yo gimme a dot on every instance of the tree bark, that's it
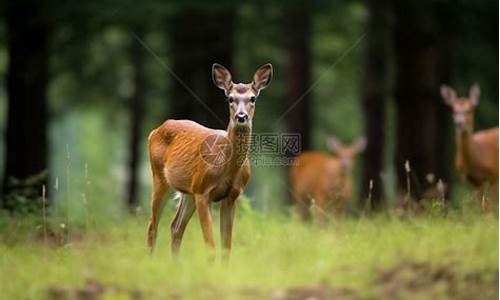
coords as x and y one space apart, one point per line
447 16
297 22
137 104
298 71
374 95
27 80
416 94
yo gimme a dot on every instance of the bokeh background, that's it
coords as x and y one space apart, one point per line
83 83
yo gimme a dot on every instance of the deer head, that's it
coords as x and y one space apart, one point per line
346 153
241 97
463 108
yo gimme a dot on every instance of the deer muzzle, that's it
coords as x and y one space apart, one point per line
241 118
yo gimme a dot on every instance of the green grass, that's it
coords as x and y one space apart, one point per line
378 257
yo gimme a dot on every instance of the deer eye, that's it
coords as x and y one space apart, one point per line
252 99
230 99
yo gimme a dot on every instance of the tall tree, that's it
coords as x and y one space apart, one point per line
297 31
446 14
417 94
28 35
298 70
136 106
201 37
374 94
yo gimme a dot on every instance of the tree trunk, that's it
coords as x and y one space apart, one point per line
200 39
27 79
446 14
183 45
136 118
416 94
217 44
298 71
297 21
374 95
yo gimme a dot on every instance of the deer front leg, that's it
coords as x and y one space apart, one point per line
227 212
203 207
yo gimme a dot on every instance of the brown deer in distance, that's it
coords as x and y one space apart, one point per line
476 157
205 165
324 179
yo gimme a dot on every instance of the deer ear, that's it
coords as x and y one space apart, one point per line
474 94
360 144
221 77
333 144
262 77
448 94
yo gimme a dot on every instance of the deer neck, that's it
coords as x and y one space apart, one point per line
239 138
346 173
464 150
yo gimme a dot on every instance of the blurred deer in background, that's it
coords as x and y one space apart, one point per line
205 165
324 180
476 157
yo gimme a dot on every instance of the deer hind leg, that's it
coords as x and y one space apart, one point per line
489 197
184 213
158 201
494 196
320 210
339 207
303 208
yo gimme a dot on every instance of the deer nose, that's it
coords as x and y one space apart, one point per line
241 117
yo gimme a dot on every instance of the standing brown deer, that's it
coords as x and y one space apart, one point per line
205 165
324 178
476 157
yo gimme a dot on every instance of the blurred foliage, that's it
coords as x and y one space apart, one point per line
91 75
24 196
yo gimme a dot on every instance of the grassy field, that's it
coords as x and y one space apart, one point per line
274 257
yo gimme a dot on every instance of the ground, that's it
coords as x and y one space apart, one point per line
453 256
